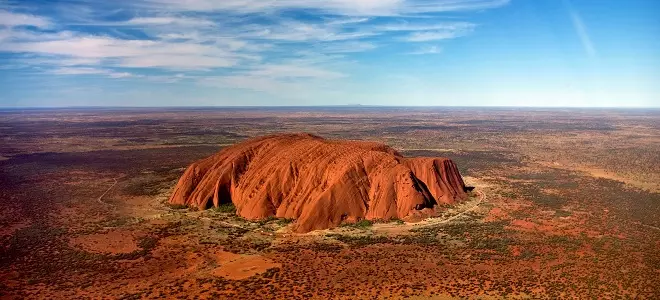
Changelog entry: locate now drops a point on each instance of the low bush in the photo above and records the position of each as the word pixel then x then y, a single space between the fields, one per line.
pixel 226 208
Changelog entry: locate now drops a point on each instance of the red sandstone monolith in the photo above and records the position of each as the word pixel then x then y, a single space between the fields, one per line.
pixel 320 183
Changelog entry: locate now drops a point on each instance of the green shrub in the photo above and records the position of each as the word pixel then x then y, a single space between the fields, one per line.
pixel 267 220
pixel 363 224
pixel 226 208
pixel 284 221
pixel 147 242
pixel 177 206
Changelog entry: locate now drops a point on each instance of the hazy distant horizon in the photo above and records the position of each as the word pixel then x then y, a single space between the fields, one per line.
pixel 326 107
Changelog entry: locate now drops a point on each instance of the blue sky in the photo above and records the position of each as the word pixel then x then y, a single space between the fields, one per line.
pixel 334 52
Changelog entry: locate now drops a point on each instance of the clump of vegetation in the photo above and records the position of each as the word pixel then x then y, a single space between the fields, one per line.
pixel 176 206
pixel 227 208
pixel 148 185
pixel 284 221
pixel 360 241
pixel 527 254
pixel 362 224
pixel 501 245
pixel 510 195
pixel 398 221
pixel 562 213
pixel 147 242
pixel 566 242
pixel 117 222
pixel 265 221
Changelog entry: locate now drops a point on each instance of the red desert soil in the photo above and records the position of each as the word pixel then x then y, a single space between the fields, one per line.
pixel 237 266
pixel 318 182
pixel 115 242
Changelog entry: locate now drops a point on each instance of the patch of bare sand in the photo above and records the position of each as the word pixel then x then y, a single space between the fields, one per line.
pixel 479 183
pixel 147 207
pixel 115 242
pixel 197 260
pixel 553 227
pixel 237 266
pixel 605 174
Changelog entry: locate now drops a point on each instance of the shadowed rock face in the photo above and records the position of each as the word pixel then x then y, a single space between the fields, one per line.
pixel 318 182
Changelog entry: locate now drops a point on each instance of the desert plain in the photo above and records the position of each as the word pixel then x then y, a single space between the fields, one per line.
pixel 566 204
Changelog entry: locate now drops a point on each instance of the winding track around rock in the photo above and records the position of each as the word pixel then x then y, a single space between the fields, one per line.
pixel 650 226
pixel 100 198
pixel 480 199
pixel 439 220
pixel 432 221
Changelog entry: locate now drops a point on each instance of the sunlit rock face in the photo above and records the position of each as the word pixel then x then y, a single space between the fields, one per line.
pixel 320 183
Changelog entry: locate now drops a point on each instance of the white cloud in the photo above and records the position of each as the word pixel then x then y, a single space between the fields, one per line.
pixel 58 61
pixel 91 71
pixel 344 7
pixel 133 53
pixel 434 35
pixel 121 75
pixel 348 47
pixel 252 39
pixel 156 21
pixel 436 6
pixel 339 7
pixel 345 21
pixel 297 31
pixel 408 26
pixel 294 77
pixel 294 71
pixel 13 34
pixel 12 19
pixel 427 50
pixel 177 62
pixel 78 71
pixel 581 30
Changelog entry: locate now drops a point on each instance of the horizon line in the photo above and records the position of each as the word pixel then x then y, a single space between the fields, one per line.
pixel 319 106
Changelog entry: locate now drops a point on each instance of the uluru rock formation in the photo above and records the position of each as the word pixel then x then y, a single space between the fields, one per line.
pixel 318 182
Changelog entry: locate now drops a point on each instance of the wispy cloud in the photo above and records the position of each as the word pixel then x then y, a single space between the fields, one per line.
pixel 348 47
pixel 159 21
pixel 129 53
pixel 342 7
pixel 292 77
pixel 339 7
pixel 293 71
pixel 92 71
pixel 409 26
pixel 253 44
pixel 433 36
pixel 440 32
pixel 580 29
pixel 12 19
pixel 427 50
pixel 298 31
